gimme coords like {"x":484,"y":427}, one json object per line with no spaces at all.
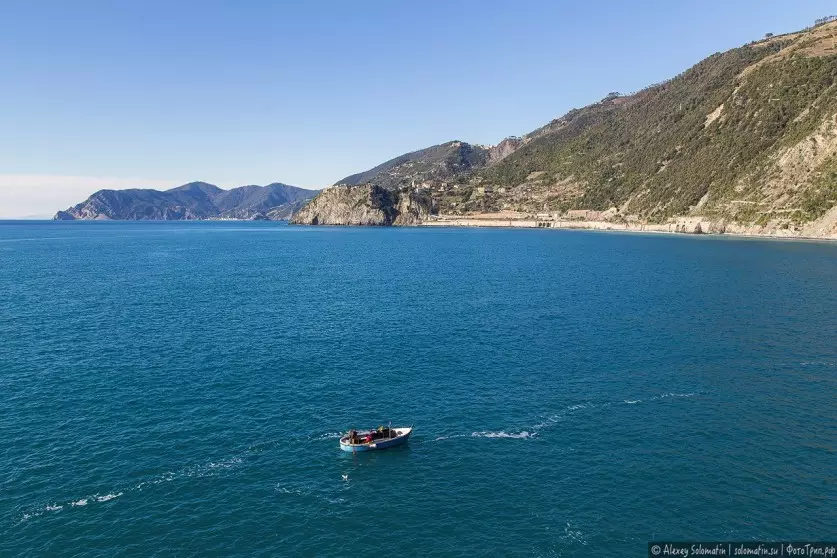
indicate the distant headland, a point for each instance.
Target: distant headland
{"x":196,"y":200}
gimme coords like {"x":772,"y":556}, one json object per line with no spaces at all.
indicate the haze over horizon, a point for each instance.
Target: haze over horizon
{"x":156,"y":95}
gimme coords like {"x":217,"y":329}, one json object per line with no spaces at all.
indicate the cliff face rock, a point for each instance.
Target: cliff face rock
{"x":196,"y":200}
{"x":365,"y":204}
{"x":399,"y":191}
{"x":497,"y":153}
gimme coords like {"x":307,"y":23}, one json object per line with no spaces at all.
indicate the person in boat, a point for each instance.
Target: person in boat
{"x":353,"y":437}
{"x":368,"y":437}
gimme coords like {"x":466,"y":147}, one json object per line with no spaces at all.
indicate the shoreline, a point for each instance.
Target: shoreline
{"x":689,"y":227}
{"x":733,"y":231}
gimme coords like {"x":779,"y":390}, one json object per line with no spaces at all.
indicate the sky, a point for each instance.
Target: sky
{"x":118,"y":94}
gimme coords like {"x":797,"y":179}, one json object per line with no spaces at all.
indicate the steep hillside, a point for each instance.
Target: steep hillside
{"x":433,"y":165}
{"x":747,"y":137}
{"x":276,"y":198}
{"x":196,"y":200}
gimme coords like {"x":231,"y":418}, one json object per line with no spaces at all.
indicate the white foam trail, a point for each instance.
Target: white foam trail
{"x":671,"y":394}
{"x":502,"y":434}
{"x":167,"y":477}
{"x":449,"y":437}
{"x":108,"y":497}
{"x":549,"y":421}
{"x":211,"y":468}
{"x":574,"y":534}
{"x":329,"y":436}
{"x":225,"y":463}
{"x":286,"y":490}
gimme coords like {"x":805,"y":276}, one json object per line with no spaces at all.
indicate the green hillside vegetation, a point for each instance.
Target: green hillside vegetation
{"x":433,"y":164}
{"x":748,"y":136}
{"x":652,"y":153}
{"x":196,"y":200}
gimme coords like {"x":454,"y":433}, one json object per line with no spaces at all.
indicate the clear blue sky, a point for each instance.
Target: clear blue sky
{"x":308,"y":92}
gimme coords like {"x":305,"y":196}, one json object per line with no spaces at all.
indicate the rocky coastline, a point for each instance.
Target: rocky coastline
{"x":364,"y":205}
{"x":823,"y":229}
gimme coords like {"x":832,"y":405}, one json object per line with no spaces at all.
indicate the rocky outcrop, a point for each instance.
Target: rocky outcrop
{"x":196,"y":200}
{"x":64,"y":216}
{"x":497,"y":153}
{"x":367,"y":204}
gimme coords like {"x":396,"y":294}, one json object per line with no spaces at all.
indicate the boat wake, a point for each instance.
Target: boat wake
{"x":218,"y":467}
{"x":441,"y":438}
{"x":108,"y":497}
{"x":203,"y":470}
{"x":325,"y":494}
{"x":548,"y":421}
{"x":502,"y":434}
{"x":329,"y":436}
{"x":828,"y":363}
{"x":663,"y":396}
{"x":573,"y":534}
{"x":211,"y":468}
{"x":79,"y":503}
{"x":278,"y":442}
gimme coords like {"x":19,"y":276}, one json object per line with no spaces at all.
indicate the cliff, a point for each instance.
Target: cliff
{"x":366,"y":204}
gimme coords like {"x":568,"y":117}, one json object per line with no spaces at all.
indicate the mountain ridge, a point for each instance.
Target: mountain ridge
{"x":192,"y":201}
{"x":744,"y":138}
{"x":431,"y":163}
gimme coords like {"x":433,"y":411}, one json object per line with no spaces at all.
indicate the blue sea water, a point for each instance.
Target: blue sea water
{"x":177,"y":389}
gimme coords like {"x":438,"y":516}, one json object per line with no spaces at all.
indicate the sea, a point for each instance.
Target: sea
{"x":179,"y":389}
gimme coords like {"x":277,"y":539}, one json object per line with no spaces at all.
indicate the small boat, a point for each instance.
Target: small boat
{"x":382,"y":438}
